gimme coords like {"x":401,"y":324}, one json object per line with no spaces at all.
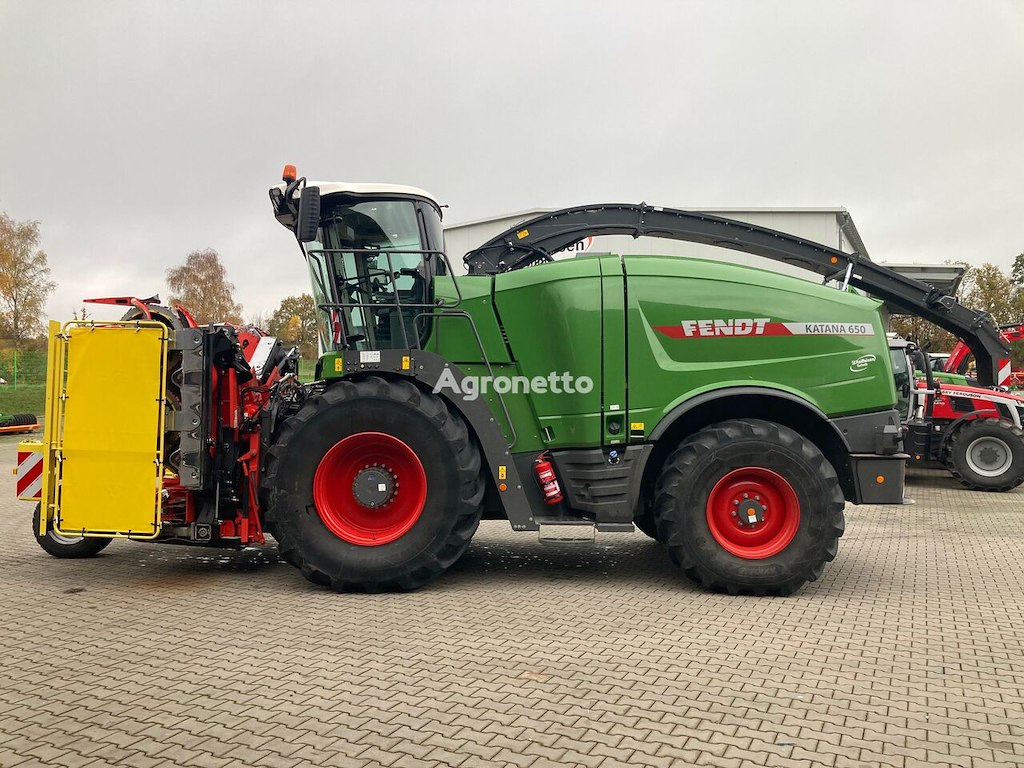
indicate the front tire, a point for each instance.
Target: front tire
{"x":373,"y":485}
{"x":749,"y":507}
{"x":66,"y":547}
{"x":987,"y":455}
{"x":645,"y":523}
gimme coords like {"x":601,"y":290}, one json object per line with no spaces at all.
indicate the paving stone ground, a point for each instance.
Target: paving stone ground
{"x":907,"y":652}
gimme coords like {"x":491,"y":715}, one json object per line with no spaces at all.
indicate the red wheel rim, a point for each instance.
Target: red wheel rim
{"x":753,"y":513}
{"x":347,"y":481}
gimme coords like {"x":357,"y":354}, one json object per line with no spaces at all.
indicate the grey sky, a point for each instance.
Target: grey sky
{"x":138,"y":131}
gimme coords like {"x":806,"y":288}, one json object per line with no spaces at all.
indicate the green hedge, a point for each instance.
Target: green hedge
{"x":25,"y":367}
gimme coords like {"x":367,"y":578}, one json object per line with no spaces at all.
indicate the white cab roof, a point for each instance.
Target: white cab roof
{"x":353,"y":188}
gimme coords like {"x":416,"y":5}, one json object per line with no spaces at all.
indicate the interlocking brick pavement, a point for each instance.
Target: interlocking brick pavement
{"x":908,"y":652}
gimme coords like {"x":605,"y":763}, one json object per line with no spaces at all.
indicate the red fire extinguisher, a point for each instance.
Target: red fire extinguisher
{"x":546,"y":477}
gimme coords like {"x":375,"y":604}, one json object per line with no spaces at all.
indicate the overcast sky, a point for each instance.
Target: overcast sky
{"x":138,"y":131}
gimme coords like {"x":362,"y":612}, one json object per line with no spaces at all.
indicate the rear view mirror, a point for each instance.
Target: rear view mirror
{"x":308,"y":219}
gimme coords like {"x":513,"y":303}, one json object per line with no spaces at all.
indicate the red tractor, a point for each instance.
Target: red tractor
{"x":975,"y":432}
{"x":959,"y":359}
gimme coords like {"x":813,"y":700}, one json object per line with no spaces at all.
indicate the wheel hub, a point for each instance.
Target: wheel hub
{"x":753,"y":512}
{"x":989,"y":456}
{"x":67,"y":541}
{"x":375,"y":485}
{"x":356,"y":489}
{"x":749,"y":511}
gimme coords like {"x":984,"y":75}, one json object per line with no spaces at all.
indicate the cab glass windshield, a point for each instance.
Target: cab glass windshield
{"x":903,"y":378}
{"x":371,"y":261}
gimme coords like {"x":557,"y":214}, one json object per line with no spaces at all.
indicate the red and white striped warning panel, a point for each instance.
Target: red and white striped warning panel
{"x":1005,"y":372}
{"x":336,"y":334}
{"x":30,"y":474}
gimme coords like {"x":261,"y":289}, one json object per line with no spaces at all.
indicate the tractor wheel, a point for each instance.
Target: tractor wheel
{"x":644,"y":521}
{"x":373,"y":485}
{"x":749,"y":507}
{"x":58,"y":545}
{"x":987,"y":455}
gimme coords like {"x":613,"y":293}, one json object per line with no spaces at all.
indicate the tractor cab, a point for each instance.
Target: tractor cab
{"x":903,"y":374}
{"x":372,"y":252}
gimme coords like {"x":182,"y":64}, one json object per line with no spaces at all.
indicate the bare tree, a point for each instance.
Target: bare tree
{"x":24,"y":280}
{"x":201,"y":286}
{"x":258,"y":319}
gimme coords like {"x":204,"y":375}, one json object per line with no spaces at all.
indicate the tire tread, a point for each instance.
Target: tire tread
{"x":451,"y":429}
{"x":1011,"y":481}
{"x":676,"y":476}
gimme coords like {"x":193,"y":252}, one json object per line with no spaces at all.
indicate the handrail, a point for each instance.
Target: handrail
{"x":385,"y":300}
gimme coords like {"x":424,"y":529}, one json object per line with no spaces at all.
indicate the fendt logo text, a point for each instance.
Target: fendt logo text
{"x":753,"y":326}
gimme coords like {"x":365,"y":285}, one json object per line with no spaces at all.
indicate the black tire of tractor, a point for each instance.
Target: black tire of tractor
{"x":693,"y":471}
{"x":645,"y":523}
{"x":450,"y":460}
{"x":66,"y":547}
{"x":997,"y":431}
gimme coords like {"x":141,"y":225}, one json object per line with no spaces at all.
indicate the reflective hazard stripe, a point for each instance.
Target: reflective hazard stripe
{"x":336,"y":335}
{"x":1004,"y":373}
{"x":30,"y":475}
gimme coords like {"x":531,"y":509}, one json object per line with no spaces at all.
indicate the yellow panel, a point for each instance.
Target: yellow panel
{"x":111,"y":437}
{"x":54,"y":374}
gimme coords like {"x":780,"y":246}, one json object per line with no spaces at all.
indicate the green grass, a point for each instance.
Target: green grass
{"x":24,"y":399}
{"x":306,"y":370}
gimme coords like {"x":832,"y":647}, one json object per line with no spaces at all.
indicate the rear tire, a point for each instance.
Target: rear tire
{"x":393,"y":521}
{"x":787,"y":500}
{"x":987,"y":455}
{"x":644,"y":521}
{"x":68,"y":547}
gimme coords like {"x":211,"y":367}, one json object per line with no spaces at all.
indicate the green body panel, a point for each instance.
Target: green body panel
{"x":614,"y":362}
{"x":453,"y":333}
{"x":946,"y":378}
{"x":818,"y":363}
{"x":525,"y":425}
{"x":330,"y":366}
{"x":643,"y":330}
{"x":553,"y":320}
